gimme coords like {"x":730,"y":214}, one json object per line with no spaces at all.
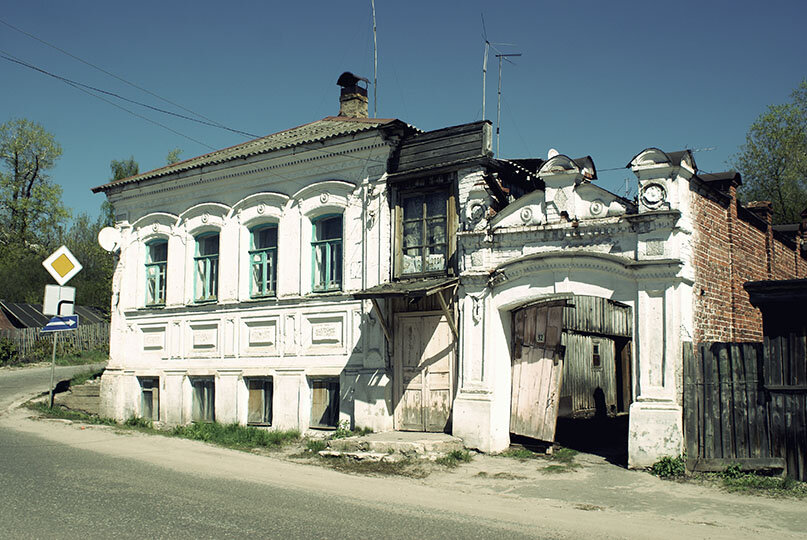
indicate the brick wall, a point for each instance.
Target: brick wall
{"x":732,"y":246}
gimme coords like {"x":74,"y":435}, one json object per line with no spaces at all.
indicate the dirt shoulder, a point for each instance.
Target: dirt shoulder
{"x":596,"y":499}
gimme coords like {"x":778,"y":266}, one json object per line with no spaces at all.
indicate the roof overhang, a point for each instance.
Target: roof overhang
{"x":411,"y":288}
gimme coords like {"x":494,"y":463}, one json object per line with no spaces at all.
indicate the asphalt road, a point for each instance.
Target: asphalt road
{"x":50,"y":490}
{"x":17,"y":383}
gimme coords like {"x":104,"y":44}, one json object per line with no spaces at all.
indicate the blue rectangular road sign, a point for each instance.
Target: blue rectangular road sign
{"x":61,"y":324}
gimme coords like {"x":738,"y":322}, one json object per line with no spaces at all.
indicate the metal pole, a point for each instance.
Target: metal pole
{"x":499,"y":107}
{"x":52,"y":368}
{"x":375,"y":65}
{"x":484,"y":77}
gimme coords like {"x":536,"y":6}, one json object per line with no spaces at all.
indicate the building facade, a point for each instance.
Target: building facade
{"x":358,"y":270}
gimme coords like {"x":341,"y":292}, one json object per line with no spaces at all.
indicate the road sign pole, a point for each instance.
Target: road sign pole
{"x":52,"y":367}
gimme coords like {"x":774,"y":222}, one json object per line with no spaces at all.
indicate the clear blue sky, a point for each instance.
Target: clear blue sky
{"x":605,"y":79}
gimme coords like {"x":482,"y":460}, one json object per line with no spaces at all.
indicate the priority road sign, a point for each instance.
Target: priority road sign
{"x":62,"y":265}
{"x":61,"y":324}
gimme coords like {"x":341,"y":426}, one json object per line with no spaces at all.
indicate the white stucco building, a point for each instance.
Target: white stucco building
{"x":358,"y":270}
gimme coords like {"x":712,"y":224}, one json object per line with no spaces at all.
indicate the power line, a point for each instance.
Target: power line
{"x":102,"y":70}
{"x":84,"y":88}
{"x":113,"y":94}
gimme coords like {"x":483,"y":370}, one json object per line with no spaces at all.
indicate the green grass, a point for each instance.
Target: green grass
{"x":84,"y":376}
{"x":235,"y":435}
{"x":315,"y":445}
{"x":735,"y":480}
{"x":343,"y":431}
{"x":57,"y":411}
{"x":80,"y":358}
{"x":670,"y":467}
{"x":521,"y":454}
{"x":454,"y":458}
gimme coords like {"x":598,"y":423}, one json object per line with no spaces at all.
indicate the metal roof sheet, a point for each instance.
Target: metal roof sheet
{"x":328,"y":127}
{"x":31,"y":316}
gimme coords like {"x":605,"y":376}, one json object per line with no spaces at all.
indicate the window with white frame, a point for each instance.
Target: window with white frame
{"x":150,"y":398}
{"x":156,"y":265}
{"x":263,"y":261}
{"x":324,"y":402}
{"x":326,"y":247}
{"x":259,"y":406}
{"x":203,"y":400}
{"x":206,"y":263}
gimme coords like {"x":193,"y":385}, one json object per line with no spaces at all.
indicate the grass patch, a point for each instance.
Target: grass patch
{"x":559,"y":469}
{"x":84,"y":376}
{"x":315,"y":446}
{"x":735,"y":480}
{"x":564,"y":455}
{"x":521,"y":454}
{"x":80,"y":358}
{"x":57,"y":411}
{"x":138,"y":422}
{"x":406,"y":467}
{"x":670,"y":468}
{"x":235,"y":435}
{"x":343,"y":431}
{"x":454,"y":458}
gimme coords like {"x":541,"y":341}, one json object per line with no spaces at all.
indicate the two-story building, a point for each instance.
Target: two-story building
{"x":358,"y":270}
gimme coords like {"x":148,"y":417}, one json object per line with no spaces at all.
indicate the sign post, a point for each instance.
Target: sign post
{"x":59,"y":300}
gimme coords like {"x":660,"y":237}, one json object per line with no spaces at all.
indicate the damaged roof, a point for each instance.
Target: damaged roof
{"x":327,"y":128}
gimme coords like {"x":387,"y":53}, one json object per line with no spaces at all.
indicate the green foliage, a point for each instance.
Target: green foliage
{"x":123,"y":168}
{"x":138,"y":422}
{"x":94,"y":283}
{"x":520,"y":453}
{"x":30,"y":203}
{"x":84,"y":376}
{"x":670,"y":467}
{"x":773,"y":160}
{"x":564,"y":455}
{"x":235,"y":435}
{"x":734,"y":479}
{"x":454,"y":458}
{"x":342,"y":431}
{"x":8,"y":351}
{"x":173,"y":156}
{"x":315,"y":445}
{"x":57,"y":411}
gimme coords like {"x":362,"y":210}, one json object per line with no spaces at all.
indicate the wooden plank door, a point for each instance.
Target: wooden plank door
{"x":424,"y":366}
{"x":537,"y":370}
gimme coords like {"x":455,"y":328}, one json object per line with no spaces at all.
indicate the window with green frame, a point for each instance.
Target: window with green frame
{"x":156,"y":264}
{"x":326,"y":256}
{"x":206,"y":262}
{"x":263,"y":261}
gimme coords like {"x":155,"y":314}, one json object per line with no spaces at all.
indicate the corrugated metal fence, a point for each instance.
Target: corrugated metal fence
{"x":84,"y":338}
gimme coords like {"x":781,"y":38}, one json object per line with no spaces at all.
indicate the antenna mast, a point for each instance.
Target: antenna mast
{"x":501,"y":57}
{"x":375,"y":65}
{"x":484,"y":76}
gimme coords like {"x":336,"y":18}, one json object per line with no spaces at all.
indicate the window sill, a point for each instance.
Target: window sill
{"x":203,"y":302}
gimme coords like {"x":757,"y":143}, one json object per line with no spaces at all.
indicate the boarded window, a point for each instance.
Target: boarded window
{"x":260,"y":401}
{"x":203,"y":400}
{"x":150,"y":398}
{"x":325,"y":402}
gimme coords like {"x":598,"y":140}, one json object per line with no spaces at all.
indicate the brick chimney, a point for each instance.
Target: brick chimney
{"x":353,"y":98}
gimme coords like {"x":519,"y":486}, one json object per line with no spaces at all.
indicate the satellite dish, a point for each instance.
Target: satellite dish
{"x":109,"y":238}
{"x":552,"y":153}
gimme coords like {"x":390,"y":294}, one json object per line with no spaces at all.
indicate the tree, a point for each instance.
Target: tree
{"x":173,"y":156}
{"x":94,"y":283}
{"x":773,"y":160}
{"x":30,"y":203}
{"x":123,"y":168}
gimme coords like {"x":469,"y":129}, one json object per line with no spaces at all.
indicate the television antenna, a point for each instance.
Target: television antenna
{"x":375,"y":64}
{"x":502,"y":57}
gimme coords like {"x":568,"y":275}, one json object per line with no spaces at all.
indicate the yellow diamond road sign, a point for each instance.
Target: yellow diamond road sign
{"x":62,"y":265}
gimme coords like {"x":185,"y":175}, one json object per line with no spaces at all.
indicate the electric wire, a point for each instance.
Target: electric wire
{"x":102,"y":70}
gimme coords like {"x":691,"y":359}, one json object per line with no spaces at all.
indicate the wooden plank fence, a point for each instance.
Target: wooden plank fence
{"x":86,"y":337}
{"x":735,"y":413}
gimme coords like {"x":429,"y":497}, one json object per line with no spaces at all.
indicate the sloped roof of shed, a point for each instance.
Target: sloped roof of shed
{"x":327,"y":128}
{"x":31,"y":316}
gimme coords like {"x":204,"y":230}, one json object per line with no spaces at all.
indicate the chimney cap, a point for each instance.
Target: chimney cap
{"x":347,"y":79}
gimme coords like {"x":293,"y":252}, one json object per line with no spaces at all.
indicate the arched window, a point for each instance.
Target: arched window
{"x":156,"y":264}
{"x":206,"y":261}
{"x":326,"y":254}
{"x":263,"y":261}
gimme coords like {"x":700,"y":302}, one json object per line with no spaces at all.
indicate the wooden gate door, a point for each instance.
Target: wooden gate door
{"x":424,"y":367}
{"x":537,"y":370}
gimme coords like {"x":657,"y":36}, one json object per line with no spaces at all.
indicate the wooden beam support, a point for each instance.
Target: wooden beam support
{"x":448,"y":315}
{"x":383,"y":322}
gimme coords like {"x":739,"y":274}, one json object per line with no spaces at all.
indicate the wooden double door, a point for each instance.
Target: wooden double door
{"x":423,"y":371}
